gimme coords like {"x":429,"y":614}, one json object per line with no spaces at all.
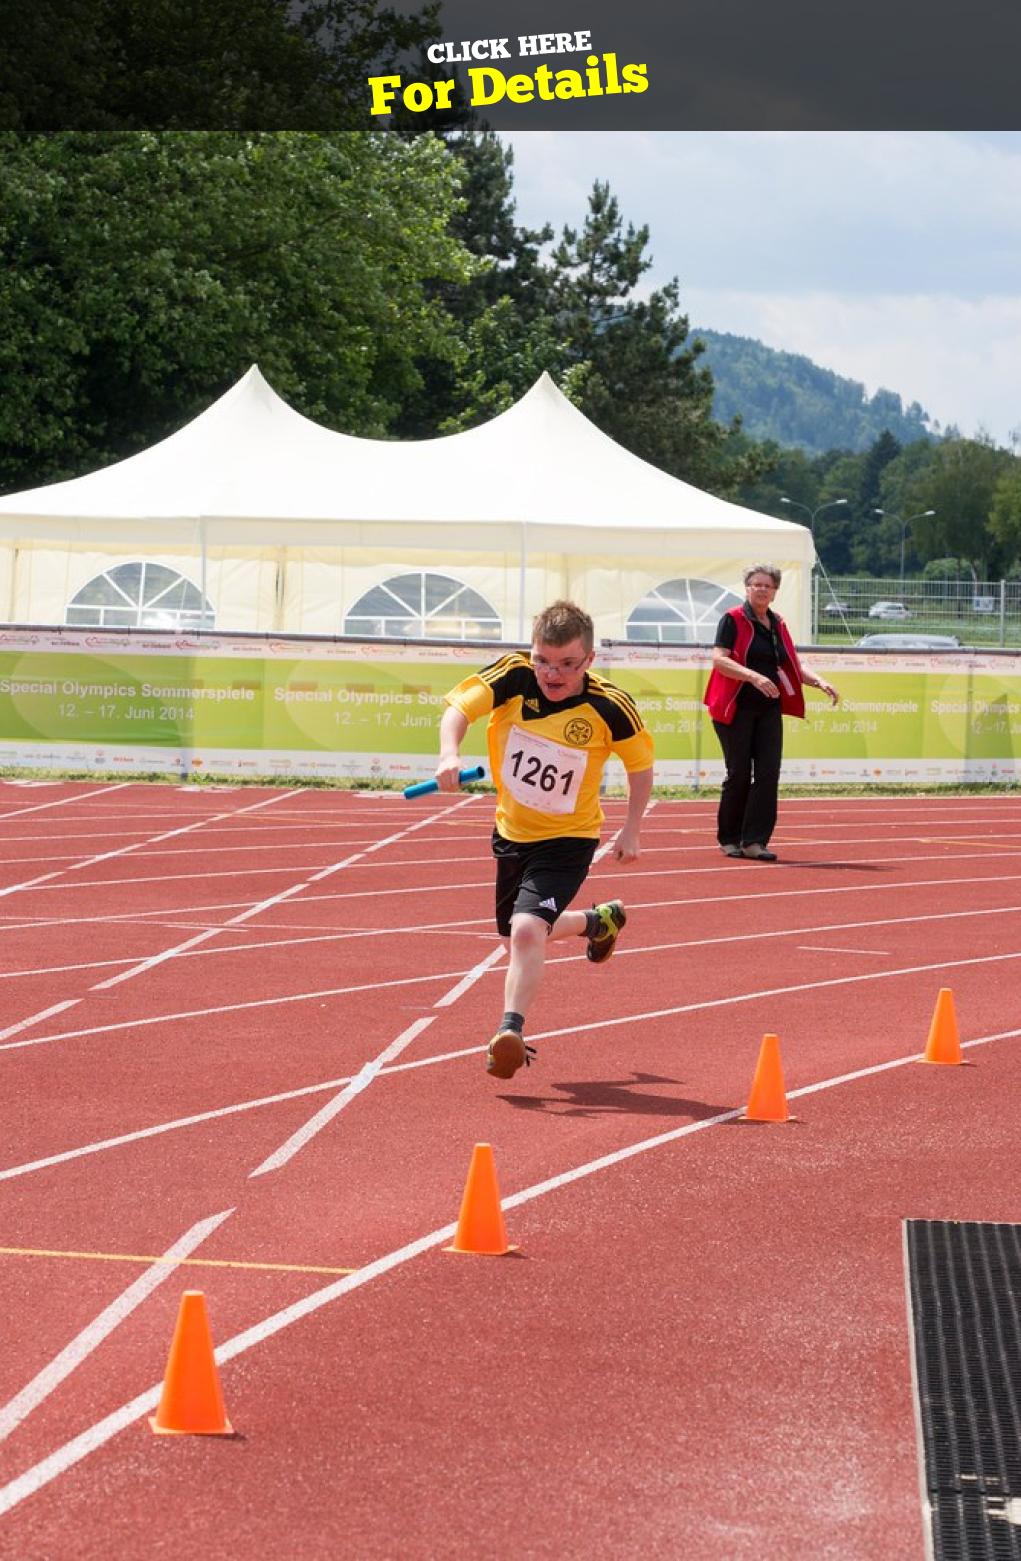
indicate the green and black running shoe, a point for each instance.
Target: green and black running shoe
{"x":612,"y":917}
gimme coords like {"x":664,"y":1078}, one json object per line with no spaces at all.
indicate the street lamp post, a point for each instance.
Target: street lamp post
{"x":904,"y":524}
{"x":812,"y":513}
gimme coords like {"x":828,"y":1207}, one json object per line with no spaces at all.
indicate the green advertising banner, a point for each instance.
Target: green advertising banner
{"x":239,"y":705}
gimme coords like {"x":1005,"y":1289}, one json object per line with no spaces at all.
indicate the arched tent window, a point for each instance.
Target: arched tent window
{"x":423,"y":606}
{"x":140,"y":596}
{"x":680,"y":611}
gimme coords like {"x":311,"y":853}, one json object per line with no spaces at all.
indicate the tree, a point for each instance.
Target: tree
{"x":501,"y":310}
{"x":880,"y":453}
{"x":958,"y":482}
{"x":631,"y":368}
{"x":222,"y":64}
{"x":792,"y":475}
{"x":1005,"y":514}
{"x":140,"y":272}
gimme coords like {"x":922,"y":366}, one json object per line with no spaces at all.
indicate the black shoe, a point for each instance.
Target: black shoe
{"x":731,"y":849}
{"x":612,"y":917}
{"x":758,"y":853}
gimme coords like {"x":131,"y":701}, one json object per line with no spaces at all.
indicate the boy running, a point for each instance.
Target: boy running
{"x":552,"y":726}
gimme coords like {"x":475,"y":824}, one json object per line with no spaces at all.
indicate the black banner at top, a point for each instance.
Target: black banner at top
{"x":518,"y":65}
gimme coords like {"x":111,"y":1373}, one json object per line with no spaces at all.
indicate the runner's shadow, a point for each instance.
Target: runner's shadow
{"x":843,"y":867}
{"x":602,"y":1097}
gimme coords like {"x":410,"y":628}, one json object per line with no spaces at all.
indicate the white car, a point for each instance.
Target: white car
{"x":893,"y":612}
{"x":836,"y":609}
{"x":910,"y":642}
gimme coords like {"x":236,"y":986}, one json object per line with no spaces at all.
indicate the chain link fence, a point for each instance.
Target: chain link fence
{"x":983,"y":613}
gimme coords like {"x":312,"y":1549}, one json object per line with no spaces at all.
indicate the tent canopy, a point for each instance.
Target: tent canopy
{"x":250,"y":457}
{"x":291,"y":524}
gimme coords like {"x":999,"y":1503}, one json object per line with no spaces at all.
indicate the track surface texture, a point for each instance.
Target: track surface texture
{"x":242,"y":1039}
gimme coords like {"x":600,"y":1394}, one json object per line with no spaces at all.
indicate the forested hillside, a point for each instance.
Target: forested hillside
{"x":788,"y":398}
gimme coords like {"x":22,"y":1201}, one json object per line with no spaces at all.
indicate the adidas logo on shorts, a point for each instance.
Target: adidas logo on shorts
{"x":548,"y":905}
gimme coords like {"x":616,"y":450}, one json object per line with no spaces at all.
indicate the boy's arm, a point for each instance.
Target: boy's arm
{"x":453,"y":726}
{"x":639,"y":790}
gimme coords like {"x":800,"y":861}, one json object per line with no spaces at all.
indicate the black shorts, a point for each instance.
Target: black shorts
{"x":539,"y":877}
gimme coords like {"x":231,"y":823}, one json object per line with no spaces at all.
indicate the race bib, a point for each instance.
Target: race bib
{"x":542,"y":774}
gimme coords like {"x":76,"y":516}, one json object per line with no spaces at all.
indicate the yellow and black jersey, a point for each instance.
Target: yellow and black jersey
{"x":547,"y":756}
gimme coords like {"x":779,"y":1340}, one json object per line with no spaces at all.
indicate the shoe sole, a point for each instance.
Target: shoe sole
{"x":601,"y":959}
{"x":506,"y":1054}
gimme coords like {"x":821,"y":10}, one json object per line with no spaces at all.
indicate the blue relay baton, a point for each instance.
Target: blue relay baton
{"x":422,"y":788}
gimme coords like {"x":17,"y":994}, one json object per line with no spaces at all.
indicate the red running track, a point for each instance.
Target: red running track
{"x":247,"y":1027}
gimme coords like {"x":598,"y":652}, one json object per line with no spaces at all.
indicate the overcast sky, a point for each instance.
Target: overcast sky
{"x":890,"y":257}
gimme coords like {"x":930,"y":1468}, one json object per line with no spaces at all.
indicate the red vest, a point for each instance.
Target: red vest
{"x":721,"y":691}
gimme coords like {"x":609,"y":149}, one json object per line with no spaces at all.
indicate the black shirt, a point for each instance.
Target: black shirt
{"x":764,"y":655}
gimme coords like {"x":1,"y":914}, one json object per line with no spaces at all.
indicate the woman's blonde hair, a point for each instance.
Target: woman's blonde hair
{"x":763,"y":569}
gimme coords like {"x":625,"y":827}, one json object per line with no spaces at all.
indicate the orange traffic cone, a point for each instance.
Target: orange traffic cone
{"x":191,"y":1402}
{"x":944,"y":1044}
{"x":768,"y":1100}
{"x":480,"y":1226}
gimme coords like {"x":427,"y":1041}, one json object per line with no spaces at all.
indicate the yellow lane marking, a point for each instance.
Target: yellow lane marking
{"x":187,"y":1262}
{"x":951,"y":840}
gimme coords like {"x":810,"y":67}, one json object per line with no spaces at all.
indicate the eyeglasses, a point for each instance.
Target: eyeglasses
{"x":571,"y":664}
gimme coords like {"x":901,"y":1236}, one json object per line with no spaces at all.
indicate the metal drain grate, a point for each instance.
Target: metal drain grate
{"x":965,"y":1281}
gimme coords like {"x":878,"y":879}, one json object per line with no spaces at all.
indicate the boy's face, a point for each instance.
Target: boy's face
{"x":560,"y":669}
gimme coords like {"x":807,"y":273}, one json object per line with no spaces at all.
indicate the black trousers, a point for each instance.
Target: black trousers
{"x":752,"y":748}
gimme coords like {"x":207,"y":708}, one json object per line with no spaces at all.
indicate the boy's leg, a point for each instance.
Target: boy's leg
{"x":528,"y":940}
{"x":534,"y":881}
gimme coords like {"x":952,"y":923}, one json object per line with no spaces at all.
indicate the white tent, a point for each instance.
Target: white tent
{"x":285,"y":526}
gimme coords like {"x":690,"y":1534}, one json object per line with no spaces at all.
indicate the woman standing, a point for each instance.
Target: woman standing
{"x":756,"y":680}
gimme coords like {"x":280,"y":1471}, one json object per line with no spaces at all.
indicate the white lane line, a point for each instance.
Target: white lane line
{"x":467,"y":929}
{"x":63,"y":801}
{"x":470,"y":979}
{"x":332,"y":1108}
{"x":211,"y":851}
{"x":863,"y":864}
{"x":106,"y":856}
{"x":97,"y":1435}
{"x":776,"y":991}
{"x":810,"y":948}
{"x":170,"y":1127}
{"x":227,"y":1008}
{"x":79,"y":1348}
{"x":406,"y":1037}
{"x":275,"y":899}
{"x":46,"y":1013}
{"x":344,"y":991}
{"x":322,"y":1118}
{"x":30,"y":1166}
{"x":281,"y":846}
{"x":113,"y":918}
{"x":52,"y":836}
{"x":165,"y":918}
